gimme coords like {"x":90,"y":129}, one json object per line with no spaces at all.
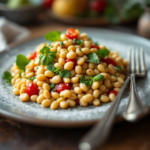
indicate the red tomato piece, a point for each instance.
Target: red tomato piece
{"x":33,"y":56}
{"x":62,"y":86}
{"x":72,"y":33}
{"x":72,"y":60}
{"x":94,"y":46}
{"x":98,"y":5}
{"x":47,"y":3}
{"x":32,"y":89}
{"x":77,"y":102}
{"x":109,"y":61}
{"x":112,"y":91}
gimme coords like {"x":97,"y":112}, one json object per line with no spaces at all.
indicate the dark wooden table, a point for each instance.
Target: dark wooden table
{"x":20,"y":136}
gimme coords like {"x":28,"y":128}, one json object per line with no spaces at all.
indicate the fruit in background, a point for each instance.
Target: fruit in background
{"x":98,"y":5}
{"x":13,"y":4}
{"x":69,"y":7}
{"x":47,"y":3}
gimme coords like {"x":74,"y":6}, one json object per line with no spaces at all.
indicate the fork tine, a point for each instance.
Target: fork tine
{"x":129,"y":59}
{"x":143,"y":68}
{"x":137,"y":62}
{"x":133,"y":61}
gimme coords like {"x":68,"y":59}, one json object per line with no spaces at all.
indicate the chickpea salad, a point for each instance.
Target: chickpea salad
{"x":69,"y":70}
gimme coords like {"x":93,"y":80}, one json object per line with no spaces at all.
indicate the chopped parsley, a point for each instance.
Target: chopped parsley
{"x":7,"y":76}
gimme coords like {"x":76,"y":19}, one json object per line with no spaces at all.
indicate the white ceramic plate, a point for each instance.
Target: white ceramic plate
{"x":30,"y":112}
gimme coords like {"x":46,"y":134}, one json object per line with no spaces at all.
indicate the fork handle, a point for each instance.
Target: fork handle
{"x":135,"y":108}
{"x":98,"y":135}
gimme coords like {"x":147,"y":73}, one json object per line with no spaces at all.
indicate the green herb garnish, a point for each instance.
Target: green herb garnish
{"x":31,"y":78}
{"x":64,"y":73}
{"x":79,"y":42}
{"x":52,"y":87}
{"x":22,"y":61}
{"x":119,"y":68}
{"x":86,"y":81}
{"x":96,"y":43}
{"x":92,"y":57}
{"x":61,"y":44}
{"x":52,"y":36}
{"x":103,"y":52}
{"x":99,"y":96}
{"x":47,"y":57}
{"x":7,"y":76}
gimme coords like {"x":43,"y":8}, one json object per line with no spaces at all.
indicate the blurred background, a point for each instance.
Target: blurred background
{"x":126,"y":15}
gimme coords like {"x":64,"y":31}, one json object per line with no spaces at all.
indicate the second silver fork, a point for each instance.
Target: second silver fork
{"x":135,"y":108}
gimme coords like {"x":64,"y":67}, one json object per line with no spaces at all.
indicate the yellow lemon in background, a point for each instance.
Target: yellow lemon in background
{"x":69,"y":7}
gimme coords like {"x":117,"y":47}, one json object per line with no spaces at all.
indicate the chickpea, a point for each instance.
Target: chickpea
{"x":74,"y":80}
{"x":71,"y":103}
{"x":30,"y":75}
{"x":83,"y":35}
{"x":119,"y":79}
{"x":96,"y":93}
{"x":60,"y":99}
{"x":40,"y":98}
{"x":95,"y":85}
{"x":71,"y":55}
{"x":56,"y":65}
{"x":83,"y":87}
{"x":46,"y":87}
{"x":87,"y":98}
{"x":90,"y":91}
{"x":85,"y":66}
{"x":105,"y":75}
{"x":102,"y":46}
{"x":78,"y":69}
{"x":23,"y":90}
{"x":96,"y":102}
{"x":28,"y":82}
{"x":119,"y":60}
{"x":112,"y":97}
{"x":83,"y":71}
{"x":117,"y":89}
{"x":107,"y":83}
{"x":117,"y":84}
{"x":24,"y":97}
{"x":111,"y":69}
{"x":101,"y":68}
{"x":65,"y":93}
{"x":66,"y":80}
{"x":102,"y":88}
{"x":72,"y":73}
{"x":73,"y":96}
{"x":85,"y":57}
{"x":80,"y":95}
{"x":82,"y":103}
{"x":63,"y":37}
{"x":46,"y":94}
{"x":54,"y":105}
{"x":90,"y":72}
{"x":87,"y":44}
{"x":64,"y":104}
{"x":68,"y":42}
{"x":77,"y":90}
{"x":63,"y":54}
{"x":79,"y":52}
{"x":68,"y":66}
{"x":125,"y":62}
{"x":16,"y":91}
{"x":104,"y":98}
{"x":40,"y":70}
{"x":80,"y":61}
{"x":40,"y":77}
{"x":96,"y":72}
{"x":113,"y":78}
{"x":49,"y":74}
{"x":33,"y":98}
{"x":91,"y":65}
{"x":85,"y":51}
{"x":75,"y":85}
{"x":61,"y":61}
{"x":56,"y":79}
{"x":72,"y":48}
{"x":55,"y":95}
{"x":93,"y":50}
{"x":46,"y":103}
{"x":41,"y":92}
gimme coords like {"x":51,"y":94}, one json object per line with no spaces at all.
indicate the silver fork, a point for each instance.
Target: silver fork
{"x":135,"y":108}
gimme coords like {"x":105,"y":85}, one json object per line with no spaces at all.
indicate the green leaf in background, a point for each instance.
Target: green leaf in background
{"x":7,"y":76}
{"x":132,"y":9}
{"x":22,"y":61}
{"x":64,"y":73}
{"x":103,"y":52}
{"x":92,"y":57}
{"x":52,"y":36}
{"x":13,"y":4}
{"x":52,"y":87}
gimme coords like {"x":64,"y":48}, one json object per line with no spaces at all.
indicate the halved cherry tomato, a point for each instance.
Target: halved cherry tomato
{"x":33,"y":56}
{"x":62,"y":86}
{"x":98,"y":5}
{"x":112,"y":91}
{"x":109,"y":61}
{"x":32,"y":89}
{"x":72,"y":33}
{"x":72,"y":60}
{"x":94,"y":46}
